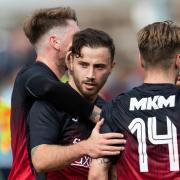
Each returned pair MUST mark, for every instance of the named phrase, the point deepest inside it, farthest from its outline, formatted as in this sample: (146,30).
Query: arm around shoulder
(56,92)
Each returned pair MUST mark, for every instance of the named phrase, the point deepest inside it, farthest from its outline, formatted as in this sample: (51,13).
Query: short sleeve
(111,115)
(44,124)
(106,114)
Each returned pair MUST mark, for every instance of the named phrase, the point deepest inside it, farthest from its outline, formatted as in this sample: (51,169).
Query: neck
(92,98)
(53,65)
(158,76)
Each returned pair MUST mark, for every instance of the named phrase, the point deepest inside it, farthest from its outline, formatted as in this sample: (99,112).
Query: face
(90,71)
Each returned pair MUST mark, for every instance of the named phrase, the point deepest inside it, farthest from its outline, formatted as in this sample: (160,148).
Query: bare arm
(51,157)
(99,169)
(113,173)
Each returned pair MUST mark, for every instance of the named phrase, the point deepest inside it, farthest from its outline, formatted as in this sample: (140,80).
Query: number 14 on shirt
(170,139)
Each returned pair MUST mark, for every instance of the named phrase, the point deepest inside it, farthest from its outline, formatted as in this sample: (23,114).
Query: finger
(110,153)
(115,141)
(99,124)
(112,135)
(113,148)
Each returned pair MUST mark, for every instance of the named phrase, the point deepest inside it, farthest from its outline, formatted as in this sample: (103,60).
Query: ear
(178,60)
(54,42)
(69,60)
(112,65)
(141,60)
(178,70)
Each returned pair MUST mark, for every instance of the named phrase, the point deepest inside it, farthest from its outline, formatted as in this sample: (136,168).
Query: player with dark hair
(50,31)
(148,115)
(90,62)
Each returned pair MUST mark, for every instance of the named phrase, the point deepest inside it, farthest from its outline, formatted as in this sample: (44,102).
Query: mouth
(90,86)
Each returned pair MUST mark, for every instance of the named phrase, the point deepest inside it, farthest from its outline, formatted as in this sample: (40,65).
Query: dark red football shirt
(32,82)
(48,125)
(149,117)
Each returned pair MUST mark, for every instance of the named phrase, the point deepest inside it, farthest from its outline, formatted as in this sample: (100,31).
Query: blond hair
(158,43)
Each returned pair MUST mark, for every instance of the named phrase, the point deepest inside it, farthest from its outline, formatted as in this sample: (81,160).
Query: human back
(148,116)
(151,118)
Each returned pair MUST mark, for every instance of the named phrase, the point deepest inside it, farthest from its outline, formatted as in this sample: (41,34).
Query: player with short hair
(57,138)
(148,115)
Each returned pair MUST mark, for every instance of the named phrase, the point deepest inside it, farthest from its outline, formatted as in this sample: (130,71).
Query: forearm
(53,157)
(99,169)
(113,173)
(60,95)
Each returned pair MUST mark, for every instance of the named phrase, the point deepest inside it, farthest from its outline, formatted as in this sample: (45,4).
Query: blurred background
(120,18)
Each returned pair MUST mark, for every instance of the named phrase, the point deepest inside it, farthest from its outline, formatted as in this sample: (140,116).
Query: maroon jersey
(37,82)
(62,129)
(149,117)
(70,173)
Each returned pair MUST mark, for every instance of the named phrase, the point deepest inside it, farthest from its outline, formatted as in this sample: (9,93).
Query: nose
(90,73)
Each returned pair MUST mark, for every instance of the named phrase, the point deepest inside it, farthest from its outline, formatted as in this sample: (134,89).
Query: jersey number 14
(170,139)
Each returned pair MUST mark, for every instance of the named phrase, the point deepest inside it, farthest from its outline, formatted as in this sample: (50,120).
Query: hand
(99,145)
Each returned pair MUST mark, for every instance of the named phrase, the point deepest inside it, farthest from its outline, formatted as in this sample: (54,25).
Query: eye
(83,64)
(100,66)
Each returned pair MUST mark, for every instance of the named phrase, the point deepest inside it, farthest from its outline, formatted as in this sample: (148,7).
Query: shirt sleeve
(44,125)
(108,113)
(59,94)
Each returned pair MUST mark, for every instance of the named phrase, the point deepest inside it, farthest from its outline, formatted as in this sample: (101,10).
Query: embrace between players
(54,126)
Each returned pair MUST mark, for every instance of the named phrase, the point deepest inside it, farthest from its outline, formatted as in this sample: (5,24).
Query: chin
(89,95)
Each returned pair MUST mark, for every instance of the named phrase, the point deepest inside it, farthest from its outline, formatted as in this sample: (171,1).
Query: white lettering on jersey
(170,139)
(138,125)
(83,161)
(149,103)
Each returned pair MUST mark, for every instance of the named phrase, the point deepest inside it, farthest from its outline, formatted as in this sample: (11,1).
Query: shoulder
(33,70)
(42,105)
(45,109)
(125,97)
(43,112)
(42,109)
(120,102)
(25,73)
